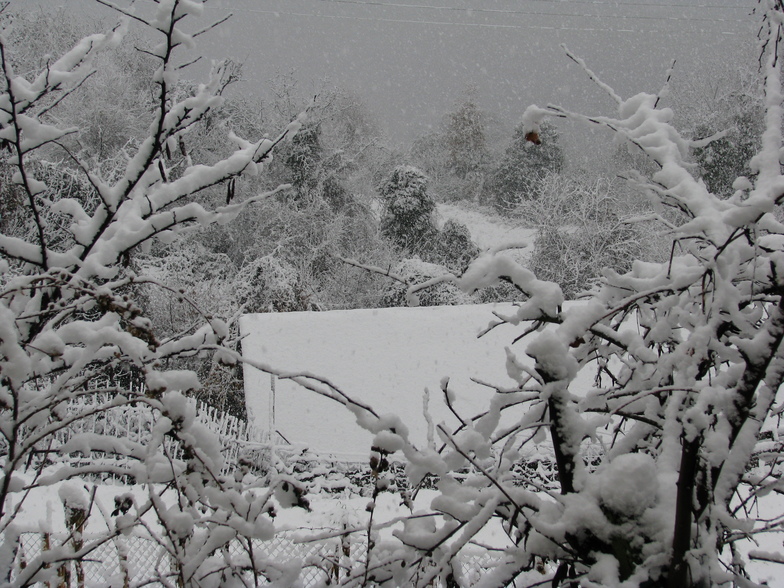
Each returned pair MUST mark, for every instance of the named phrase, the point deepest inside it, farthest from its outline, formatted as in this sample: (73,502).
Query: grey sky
(409,60)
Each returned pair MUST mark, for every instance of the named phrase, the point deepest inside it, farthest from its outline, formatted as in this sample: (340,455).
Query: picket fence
(237,438)
(140,561)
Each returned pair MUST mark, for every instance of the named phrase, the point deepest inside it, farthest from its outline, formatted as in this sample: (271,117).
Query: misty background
(410,62)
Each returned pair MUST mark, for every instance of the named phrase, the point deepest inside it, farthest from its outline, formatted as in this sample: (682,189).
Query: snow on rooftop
(386,358)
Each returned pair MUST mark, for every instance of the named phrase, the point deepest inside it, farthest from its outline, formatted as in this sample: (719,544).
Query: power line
(646,4)
(536,13)
(464,24)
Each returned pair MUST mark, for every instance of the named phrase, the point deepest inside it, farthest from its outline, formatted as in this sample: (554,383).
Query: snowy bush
(732,115)
(71,323)
(407,219)
(415,271)
(585,227)
(673,368)
(465,136)
(267,284)
(453,248)
(193,271)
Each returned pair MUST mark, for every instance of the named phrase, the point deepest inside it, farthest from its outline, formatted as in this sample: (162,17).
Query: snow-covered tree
(724,104)
(659,396)
(70,320)
(453,248)
(408,217)
(465,137)
(112,108)
(267,284)
(518,175)
(457,155)
(429,154)
(333,158)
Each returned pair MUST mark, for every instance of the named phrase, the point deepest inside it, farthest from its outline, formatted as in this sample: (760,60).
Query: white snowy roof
(386,358)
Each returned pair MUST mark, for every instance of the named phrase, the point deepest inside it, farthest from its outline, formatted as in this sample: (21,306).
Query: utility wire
(615,4)
(465,24)
(535,13)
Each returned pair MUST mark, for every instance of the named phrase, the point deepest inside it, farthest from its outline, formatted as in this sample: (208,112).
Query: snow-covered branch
(72,325)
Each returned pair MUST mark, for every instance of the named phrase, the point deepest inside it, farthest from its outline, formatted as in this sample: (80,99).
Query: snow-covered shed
(386,358)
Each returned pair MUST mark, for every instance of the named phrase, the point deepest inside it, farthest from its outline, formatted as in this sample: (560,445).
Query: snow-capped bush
(71,322)
(416,271)
(408,217)
(673,368)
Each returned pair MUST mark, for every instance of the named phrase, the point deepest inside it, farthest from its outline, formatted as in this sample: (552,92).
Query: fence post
(13,537)
(122,560)
(345,546)
(46,536)
(76,506)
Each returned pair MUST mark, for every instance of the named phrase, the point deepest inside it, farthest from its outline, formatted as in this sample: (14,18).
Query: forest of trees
(348,198)
(142,213)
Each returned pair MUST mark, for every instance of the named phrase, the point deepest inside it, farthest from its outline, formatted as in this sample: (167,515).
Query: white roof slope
(383,357)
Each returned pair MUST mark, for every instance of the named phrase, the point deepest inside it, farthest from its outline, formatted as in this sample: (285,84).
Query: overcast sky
(409,60)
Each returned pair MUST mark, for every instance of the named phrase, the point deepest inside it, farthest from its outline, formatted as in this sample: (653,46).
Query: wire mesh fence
(140,561)
(238,439)
(128,561)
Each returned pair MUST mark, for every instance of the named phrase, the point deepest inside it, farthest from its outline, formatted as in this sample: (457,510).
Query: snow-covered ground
(387,358)
(329,514)
(488,230)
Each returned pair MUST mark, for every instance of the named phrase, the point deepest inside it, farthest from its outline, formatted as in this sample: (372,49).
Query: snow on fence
(241,444)
(136,560)
(238,438)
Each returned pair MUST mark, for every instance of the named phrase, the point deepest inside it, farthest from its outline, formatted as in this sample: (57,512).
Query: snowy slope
(488,231)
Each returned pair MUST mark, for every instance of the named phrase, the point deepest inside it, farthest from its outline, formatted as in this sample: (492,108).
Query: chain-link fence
(238,439)
(135,560)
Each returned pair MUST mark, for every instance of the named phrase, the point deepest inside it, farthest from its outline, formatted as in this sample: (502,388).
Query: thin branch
(374,269)
(127,13)
(594,78)
(217,23)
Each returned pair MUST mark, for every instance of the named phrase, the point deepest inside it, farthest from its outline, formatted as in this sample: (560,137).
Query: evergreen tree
(408,209)
(454,249)
(466,139)
(303,159)
(518,175)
